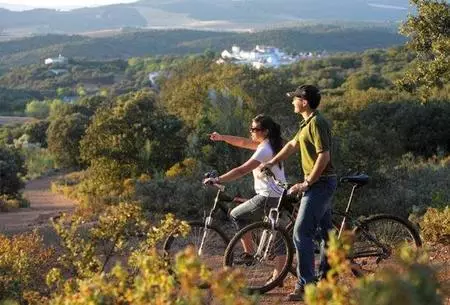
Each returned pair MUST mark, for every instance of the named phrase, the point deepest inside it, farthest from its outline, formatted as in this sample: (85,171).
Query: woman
(266,141)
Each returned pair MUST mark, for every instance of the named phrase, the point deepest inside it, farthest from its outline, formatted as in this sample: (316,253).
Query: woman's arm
(240,171)
(235,141)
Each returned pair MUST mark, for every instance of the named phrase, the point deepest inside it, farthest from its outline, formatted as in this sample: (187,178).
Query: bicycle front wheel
(209,244)
(268,257)
(376,240)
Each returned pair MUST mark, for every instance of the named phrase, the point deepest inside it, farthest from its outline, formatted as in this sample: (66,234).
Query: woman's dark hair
(274,133)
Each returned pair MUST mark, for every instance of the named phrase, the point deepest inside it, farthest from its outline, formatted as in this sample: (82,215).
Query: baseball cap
(304,91)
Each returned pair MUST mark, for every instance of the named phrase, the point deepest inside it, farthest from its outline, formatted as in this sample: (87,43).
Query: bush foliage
(104,263)
(12,168)
(412,281)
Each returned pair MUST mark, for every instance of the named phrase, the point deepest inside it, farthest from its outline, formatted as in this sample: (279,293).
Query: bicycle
(208,239)
(374,240)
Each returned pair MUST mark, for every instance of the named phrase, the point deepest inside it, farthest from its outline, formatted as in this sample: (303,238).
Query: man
(314,142)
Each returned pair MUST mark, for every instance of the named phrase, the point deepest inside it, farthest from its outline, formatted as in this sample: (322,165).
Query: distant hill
(15,7)
(201,14)
(264,11)
(74,21)
(332,38)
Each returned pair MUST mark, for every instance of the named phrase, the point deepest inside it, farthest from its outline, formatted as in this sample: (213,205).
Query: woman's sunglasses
(255,129)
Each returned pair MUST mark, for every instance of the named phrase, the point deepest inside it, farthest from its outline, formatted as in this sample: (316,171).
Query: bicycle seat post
(355,186)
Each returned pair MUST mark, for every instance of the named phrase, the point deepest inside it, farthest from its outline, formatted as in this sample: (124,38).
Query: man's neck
(307,113)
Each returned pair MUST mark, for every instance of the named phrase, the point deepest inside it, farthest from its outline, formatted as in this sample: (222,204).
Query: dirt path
(7,120)
(43,205)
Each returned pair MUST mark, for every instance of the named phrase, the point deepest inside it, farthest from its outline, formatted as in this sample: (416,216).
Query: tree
(37,132)
(38,109)
(429,34)
(131,137)
(63,137)
(12,166)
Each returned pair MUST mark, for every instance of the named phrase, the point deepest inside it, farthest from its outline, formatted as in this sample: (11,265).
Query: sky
(64,3)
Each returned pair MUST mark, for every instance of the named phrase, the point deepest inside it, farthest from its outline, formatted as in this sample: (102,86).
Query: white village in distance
(259,57)
(264,56)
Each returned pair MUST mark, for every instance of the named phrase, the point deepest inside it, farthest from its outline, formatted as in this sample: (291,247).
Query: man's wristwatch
(308,184)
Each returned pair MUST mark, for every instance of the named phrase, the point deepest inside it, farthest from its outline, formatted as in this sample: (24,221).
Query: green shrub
(183,196)
(411,281)
(8,202)
(155,284)
(402,188)
(38,161)
(12,167)
(188,167)
(24,262)
(435,225)
(145,278)
(37,132)
(63,136)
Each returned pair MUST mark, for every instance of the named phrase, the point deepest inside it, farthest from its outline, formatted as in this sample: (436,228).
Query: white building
(263,56)
(60,60)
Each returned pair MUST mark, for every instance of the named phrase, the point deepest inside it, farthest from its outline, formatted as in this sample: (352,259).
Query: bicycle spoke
(259,268)
(213,247)
(376,241)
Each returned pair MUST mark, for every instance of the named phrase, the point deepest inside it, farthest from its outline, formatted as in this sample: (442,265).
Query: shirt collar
(304,122)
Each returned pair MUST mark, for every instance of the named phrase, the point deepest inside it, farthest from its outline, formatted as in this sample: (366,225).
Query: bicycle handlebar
(268,173)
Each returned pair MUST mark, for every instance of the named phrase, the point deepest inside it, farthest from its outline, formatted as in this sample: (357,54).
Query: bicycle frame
(274,216)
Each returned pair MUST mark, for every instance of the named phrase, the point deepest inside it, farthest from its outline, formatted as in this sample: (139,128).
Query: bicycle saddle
(360,179)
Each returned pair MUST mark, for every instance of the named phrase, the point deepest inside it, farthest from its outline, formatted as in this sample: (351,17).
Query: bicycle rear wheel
(376,240)
(209,244)
(270,250)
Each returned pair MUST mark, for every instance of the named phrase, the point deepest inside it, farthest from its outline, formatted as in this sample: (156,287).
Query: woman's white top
(264,186)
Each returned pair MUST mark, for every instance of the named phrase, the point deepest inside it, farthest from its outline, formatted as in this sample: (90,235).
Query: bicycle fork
(265,244)
(205,233)
(208,221)
(267,237)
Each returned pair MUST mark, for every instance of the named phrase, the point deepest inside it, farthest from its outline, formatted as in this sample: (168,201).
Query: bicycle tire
(213,248)
(231,257)
(375,241)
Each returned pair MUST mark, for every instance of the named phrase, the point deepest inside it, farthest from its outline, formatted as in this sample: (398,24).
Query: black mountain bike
(376,237)
(208,238)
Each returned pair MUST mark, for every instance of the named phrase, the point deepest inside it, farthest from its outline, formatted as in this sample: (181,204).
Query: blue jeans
(314,212)
(252,210)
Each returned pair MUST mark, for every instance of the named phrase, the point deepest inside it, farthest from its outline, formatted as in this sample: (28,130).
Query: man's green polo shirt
(313,138)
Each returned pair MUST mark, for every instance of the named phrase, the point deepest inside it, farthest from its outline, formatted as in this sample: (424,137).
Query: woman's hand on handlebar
(215,136)
(209,181)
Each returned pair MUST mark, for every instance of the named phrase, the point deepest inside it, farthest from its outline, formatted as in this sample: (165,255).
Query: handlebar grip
(266,171)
